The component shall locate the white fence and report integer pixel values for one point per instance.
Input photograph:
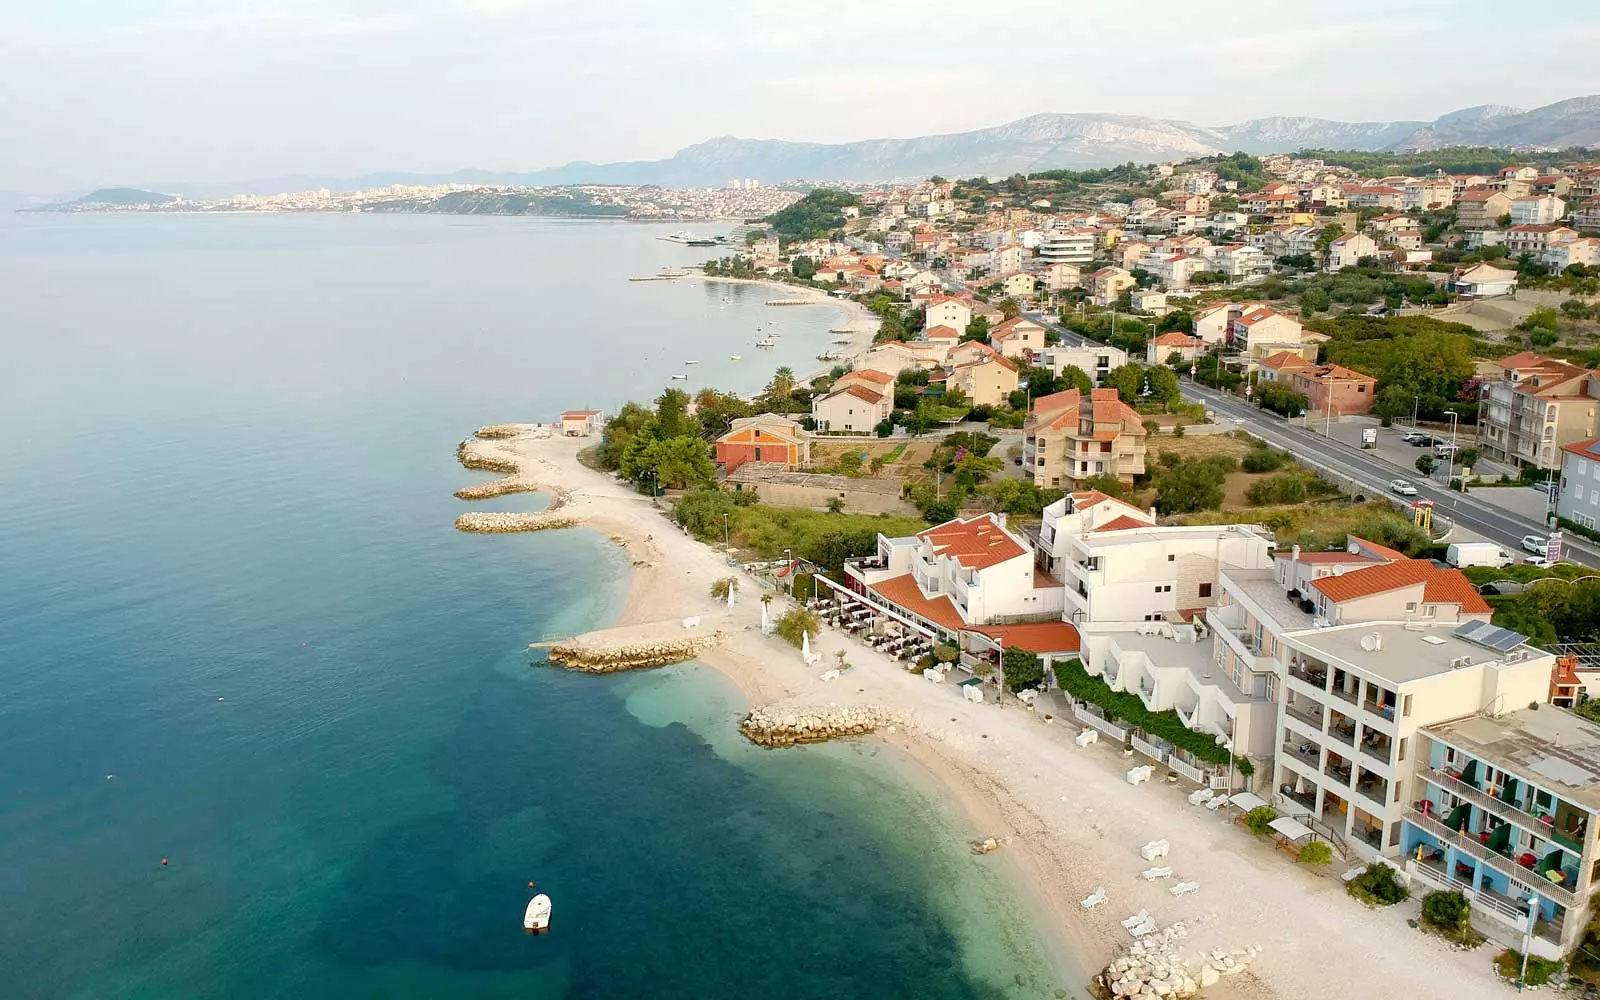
(1155, 753)
(1189, 771)
(1088, 718)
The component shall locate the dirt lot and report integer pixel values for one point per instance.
(1197, 447)
(907, 464)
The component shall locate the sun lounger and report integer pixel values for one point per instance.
(1155, 849)
(1136, 919)
(1217, 803)
(1087, 737)
(1151, 874)
(1140, 773)
(1201, 797)
(1184, 888)
(1095, 898)
(1140, 930)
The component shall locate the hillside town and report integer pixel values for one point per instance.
(1067, 468)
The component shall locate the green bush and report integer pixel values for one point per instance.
(1264, 460)
(1316, 853)
(1259, 820)
(1540, 970)
(796, 623)
(1022, 668)
(945, 653)
(1127, 708)
(720, 588)
(1379, 885)
(1447, 911)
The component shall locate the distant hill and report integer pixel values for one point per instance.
(122, 196)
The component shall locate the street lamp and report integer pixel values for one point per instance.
(725, 536)
(1224, 741)
(1450, 462)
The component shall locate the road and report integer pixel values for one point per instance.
(1373, 473)
(1491, 522)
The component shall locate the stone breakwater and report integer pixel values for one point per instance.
(499, 488)
(496, 431)
(769, 728)
(1154, 967)
(474, 458)
(601, 658)
(491, 523)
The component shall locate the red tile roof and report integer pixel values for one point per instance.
(1439, 586)
(902, 591)
(860, 392)
(1380, 551)
(1042, 637)
(1121, 523)
(976, 543)
(869, 375)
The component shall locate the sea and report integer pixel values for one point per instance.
(269, 726)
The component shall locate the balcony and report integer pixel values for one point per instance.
(1380, 748)
(1374, 787)
(1307, 711)
(1539, 827)
(1339, 770)
(1342, 729)
(1383, 711)
(1317, 677)
(1471, 846)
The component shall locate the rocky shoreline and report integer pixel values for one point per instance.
(472, 458)
(1154, 967)
(768, 728)
(493, 523)
(597, 658)
(497, 431)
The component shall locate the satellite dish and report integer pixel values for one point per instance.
(1353, 548)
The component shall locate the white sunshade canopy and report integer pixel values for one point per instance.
(1291, 828)
(1246, 802)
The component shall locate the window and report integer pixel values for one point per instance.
(1428, 610)
(1205, 590)
(1403, 741)
(1411, 607)
(1577, 492)
(1171, 557)
(1405, 706)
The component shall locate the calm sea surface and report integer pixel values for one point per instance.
(238, 631)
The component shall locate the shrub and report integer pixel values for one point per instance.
(1264, 460)
(1540, 970)
(1378, 886)
(794, 624)
(1285, 487)
(1022, 669)
(944, 653)
(1316, 853)
(1259, 820)
(1448, 911)
(721, 588)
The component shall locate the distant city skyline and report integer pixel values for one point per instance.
(104, 92)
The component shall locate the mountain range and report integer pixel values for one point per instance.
(1038, 142)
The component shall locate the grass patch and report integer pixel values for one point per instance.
(1319, 527)
(1522, 573)
(1540, 970)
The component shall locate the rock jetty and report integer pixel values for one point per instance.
(770, 728)
(596, 657)
(1154, 967)
(474, 458)
(492, 523)
(499, 488)
(497, 431)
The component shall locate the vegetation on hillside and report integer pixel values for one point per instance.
(816, 216)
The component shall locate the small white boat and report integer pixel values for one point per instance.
(682, 375)
(537, 918)
(691, 362)
(766, 342)
(733, 357)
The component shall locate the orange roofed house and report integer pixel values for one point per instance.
(970, 580)
(1069, 437)
(767, 438)
(583, 423)
(1329, 389)
(856, 403)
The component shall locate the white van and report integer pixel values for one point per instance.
(1461, 554)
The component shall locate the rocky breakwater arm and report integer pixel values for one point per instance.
(785, 728)
(475, 455)
(597, 656)
(496, 523)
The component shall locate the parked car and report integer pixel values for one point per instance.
(1537, 544)
(1402, 487)
(1421, 440)
(1538, 562)
(1410, 436)
(1546, 487)
(1445, 448)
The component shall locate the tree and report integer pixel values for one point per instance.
(1330, 232)
(815, 216)
(701, 510)
(754, 236)
(1314, 300)
(1073, 377)
(1468, 457)
(672, 415)
(1164, 385)
(1316, 853)
(1009, 308)
(794, 624)
(1378, 885)
(782, 385)
(1259, 820)
(1426, 464)
(1391, 403)
(1128, 380)
(1448, 911)
(1188, 487)
(620, 431)
(1105, 483)
(940, 510)
(803, 267)
(1021, 668)
(679, 463)
(977, 329)
(723, 586)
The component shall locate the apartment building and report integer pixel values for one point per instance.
(1503, 808)
(1537, 238)
(984, 374)
(946, 310)
(1260, 331)
(1534, 407)
(1579, 497)
(963, 574)
(1163, 347)
(1347, 251)
(1107, 283)
(1067, 246)
(1058, 276)
(1329, 389)
(1069, 436)
(855, 404)
(1484, 280)
(1427, 193)
(1481, 208)
(1172, 271)
(1585, 250)
(1537, 210)
(1238, 261)
(1017, 337)
(1094, 360)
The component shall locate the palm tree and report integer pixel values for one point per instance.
(782, 384)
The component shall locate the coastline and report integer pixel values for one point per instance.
(1075, 823)
(858, 322)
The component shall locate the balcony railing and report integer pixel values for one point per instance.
(1375, 708)
(1343, 695)
(1339, 774)
(1472, 846)
(1345, 734)
(1316, 678)
(1382, 752)
(1499, 807)
(1307, 712)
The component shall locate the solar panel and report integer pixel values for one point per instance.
(1501, 640)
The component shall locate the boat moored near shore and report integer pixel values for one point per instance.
(536, 919)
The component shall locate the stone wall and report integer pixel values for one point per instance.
(772, 728)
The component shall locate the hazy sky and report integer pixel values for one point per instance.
(99, 92)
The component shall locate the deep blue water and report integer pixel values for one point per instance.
(238, 631)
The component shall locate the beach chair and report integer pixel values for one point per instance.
(1095, 898)
(1200, 797)
(1151, 874)
(1140, 930)
(1185, 888)
(1155, 849)
(1140, 773)
(1087, 737)
(1136, 919)
(1217, 803)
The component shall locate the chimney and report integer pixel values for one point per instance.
(1152, 513)
(1294, 553)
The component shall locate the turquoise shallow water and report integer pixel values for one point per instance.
(237, 631)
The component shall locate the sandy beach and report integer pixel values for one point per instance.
(1073, 821)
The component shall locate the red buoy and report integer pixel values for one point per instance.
(163, 861)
